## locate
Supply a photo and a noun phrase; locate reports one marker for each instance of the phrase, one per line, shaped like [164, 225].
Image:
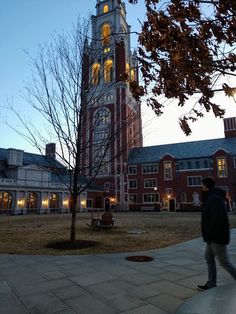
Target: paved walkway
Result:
[107, 283]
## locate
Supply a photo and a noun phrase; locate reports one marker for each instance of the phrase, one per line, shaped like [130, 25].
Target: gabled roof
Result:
[188, 150]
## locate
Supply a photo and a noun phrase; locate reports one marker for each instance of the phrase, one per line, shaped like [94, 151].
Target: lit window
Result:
[95, 73]
[128, 70]
[6, 199]
[132, 73]
[32, 200]
[108, 71]
[221, 167]
[106, 32]
[168, 170]
[54, 201]
[105, 8]
[106, 50]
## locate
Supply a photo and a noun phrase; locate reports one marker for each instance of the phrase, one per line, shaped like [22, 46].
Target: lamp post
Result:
[156, 207]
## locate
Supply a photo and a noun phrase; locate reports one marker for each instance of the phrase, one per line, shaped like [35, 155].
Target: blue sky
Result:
[24, 24]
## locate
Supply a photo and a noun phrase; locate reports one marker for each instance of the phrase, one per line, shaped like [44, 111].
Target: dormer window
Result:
[105, 8]
[106, 32]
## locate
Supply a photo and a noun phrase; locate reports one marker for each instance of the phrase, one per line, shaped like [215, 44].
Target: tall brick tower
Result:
[111, 111]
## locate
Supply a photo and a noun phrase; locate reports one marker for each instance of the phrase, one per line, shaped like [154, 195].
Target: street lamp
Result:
[156, 207]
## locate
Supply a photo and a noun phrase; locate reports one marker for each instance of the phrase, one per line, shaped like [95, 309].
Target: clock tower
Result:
[111, 123]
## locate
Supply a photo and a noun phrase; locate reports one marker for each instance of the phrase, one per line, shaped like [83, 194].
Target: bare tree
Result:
[64, 95]
[186, 48]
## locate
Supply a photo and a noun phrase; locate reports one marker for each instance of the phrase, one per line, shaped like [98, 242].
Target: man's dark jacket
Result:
[215, 222]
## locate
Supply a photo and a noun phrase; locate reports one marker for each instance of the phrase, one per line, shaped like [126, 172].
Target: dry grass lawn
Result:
[31, 234]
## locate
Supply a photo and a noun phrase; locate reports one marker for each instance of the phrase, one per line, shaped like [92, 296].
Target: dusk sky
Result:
[24, 24]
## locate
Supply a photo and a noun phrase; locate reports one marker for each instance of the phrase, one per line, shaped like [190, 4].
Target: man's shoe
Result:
[204, 287]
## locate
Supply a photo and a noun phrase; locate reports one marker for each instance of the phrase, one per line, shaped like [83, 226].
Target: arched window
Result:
[108, 66]
[32, 200]
[105, 8]
[106, 32]
[6, 200]
[133, 76]
[127, 70]
[95, 73]
[54, 201]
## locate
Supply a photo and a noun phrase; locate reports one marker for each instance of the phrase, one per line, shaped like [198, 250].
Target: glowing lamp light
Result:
[20, 202]
[83, 203]
[45, 202]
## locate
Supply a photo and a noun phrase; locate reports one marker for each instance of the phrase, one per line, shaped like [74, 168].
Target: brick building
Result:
[169, 176]
[111, 117]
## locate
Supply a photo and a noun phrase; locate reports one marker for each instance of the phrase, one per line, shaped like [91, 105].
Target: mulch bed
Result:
[72, 245]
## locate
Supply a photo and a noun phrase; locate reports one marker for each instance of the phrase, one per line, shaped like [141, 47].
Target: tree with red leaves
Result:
[186, 48]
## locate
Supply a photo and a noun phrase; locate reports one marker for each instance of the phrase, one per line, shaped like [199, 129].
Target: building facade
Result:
[168, 177]
[111, 117]
[33, 183]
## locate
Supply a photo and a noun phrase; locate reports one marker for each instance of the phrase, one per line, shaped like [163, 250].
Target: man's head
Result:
[208, 183]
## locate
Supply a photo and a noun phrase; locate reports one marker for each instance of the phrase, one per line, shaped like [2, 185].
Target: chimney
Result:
[230, 127]
[51, 150]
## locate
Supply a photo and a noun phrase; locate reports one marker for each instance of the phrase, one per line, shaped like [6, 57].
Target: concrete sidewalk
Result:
[106, 283]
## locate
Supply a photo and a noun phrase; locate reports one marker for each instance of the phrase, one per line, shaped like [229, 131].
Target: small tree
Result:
[63, 95]
[186, 48]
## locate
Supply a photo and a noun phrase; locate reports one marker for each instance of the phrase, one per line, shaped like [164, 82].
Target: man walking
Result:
[215, 231]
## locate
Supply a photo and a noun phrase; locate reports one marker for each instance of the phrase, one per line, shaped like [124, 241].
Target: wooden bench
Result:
[105, 222]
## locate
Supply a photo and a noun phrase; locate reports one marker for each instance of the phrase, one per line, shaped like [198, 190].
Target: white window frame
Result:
[168, 175]
[155, 198]
[151, 164]
[194, 185]
[134, 167]
[136, 185]
[154, 181]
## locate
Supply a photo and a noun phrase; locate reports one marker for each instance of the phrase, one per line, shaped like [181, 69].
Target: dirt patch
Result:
[32, 234]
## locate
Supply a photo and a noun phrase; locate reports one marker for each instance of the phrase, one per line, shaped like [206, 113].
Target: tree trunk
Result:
[73, 217]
